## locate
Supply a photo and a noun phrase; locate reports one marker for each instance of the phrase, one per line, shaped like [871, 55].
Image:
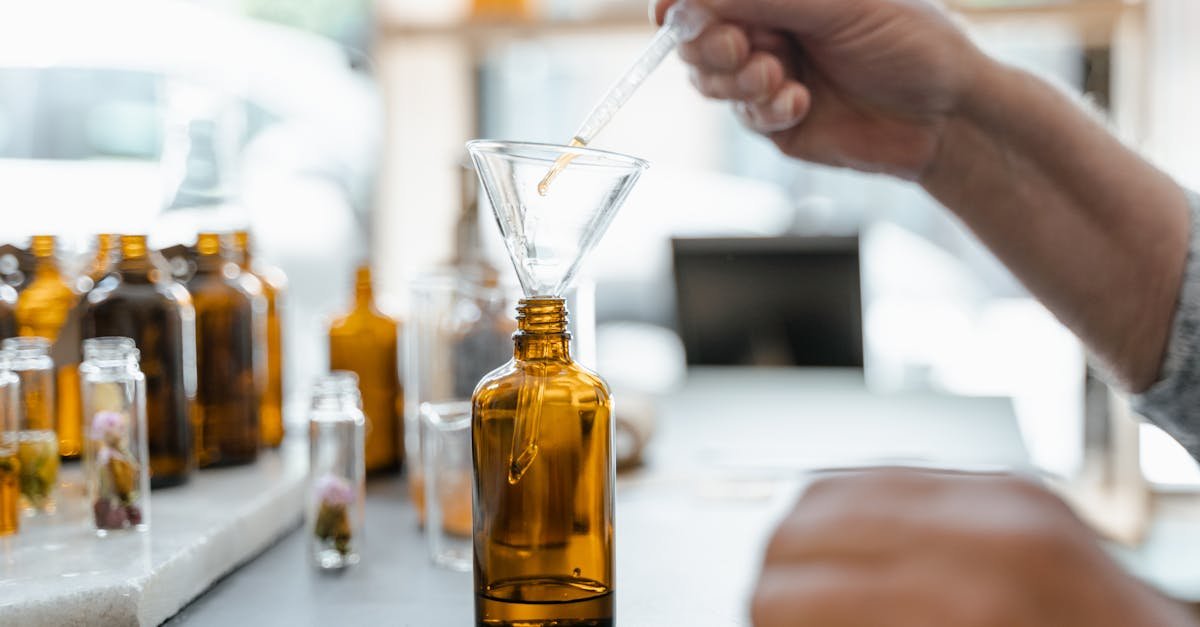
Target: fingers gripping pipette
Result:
[684, 22]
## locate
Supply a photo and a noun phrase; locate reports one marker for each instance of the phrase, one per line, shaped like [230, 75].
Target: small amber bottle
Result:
[542, 432]
[229, 316]
[273, 284]
[138, 302]
[363, 341]
[49, 308]
[8, 311]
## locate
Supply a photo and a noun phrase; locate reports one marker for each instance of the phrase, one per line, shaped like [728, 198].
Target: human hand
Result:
[866, 84]
[904, 547]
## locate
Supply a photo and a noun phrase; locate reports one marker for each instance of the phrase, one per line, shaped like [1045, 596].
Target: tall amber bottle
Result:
[274, 285]
[542, 431]
[363, 341]
[229, 319]
[47, 308]
[8, 311]
[136, 301]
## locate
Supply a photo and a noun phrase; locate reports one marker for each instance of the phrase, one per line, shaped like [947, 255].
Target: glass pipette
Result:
[684, 22]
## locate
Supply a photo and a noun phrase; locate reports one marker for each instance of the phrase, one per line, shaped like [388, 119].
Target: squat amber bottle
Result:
[48, 308]
[542, 436]
[229, 319]
[363, 341]
[273, 284]
[137, 302]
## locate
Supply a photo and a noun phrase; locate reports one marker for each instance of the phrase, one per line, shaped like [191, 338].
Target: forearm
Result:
[1092, 230]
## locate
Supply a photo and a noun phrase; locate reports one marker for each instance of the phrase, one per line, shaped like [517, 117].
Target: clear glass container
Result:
[10, 485]
[446, 441]
[337, 472]
[138, 301]
[460, 329]
[115, 452]
[37, 442]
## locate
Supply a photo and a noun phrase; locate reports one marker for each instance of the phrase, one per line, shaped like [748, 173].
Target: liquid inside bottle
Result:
[37, 441]
[227, 358]
[137, 302]
[544, 532]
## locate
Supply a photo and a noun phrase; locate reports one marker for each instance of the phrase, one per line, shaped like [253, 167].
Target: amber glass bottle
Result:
[229, 315]
[8, 311]
[136, 301]
[273, 284]
[541, 429]
[363, 341]
[48, 308]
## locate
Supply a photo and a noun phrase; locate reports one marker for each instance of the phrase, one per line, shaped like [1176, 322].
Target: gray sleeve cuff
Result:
[1174, 402]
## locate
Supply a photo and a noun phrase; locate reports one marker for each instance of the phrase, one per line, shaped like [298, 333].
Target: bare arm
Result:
[1095, 233]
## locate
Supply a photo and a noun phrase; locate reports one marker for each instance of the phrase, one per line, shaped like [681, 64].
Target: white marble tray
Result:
[57, 572]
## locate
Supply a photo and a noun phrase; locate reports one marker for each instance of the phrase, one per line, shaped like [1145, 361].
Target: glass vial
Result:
[363, 341]
[337, 472]
[542, 433]
[229, 316]
[37, 442]
[49, 308]
[10, 485]
[273, 284]
[115, 452]
[137, 301]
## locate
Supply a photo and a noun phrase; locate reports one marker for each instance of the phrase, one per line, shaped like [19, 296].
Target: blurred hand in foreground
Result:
[905, 547]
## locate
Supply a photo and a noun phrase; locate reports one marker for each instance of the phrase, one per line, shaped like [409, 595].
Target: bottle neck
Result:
[209, 253]
[42, 247]
[241, 248]
[364, 293]
[134, 257]
[542, 330]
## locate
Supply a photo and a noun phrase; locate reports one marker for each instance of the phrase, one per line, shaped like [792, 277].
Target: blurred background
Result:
[334, 129]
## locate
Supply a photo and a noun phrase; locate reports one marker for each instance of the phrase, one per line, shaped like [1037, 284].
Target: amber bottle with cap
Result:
[137, 301]
[541, 430]
[50, 308]
[363, 341]
[230, 323]
[273, 284]
[8, 311]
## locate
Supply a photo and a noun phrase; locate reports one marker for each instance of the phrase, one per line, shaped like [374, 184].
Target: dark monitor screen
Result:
[777, 301]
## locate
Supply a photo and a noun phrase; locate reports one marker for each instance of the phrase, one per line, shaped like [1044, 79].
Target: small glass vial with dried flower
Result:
[115, 449]
[337, 471]
[10, 485]
[37, 441]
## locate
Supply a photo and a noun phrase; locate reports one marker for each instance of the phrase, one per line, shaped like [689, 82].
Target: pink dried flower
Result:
[334, 490]
[108, 426]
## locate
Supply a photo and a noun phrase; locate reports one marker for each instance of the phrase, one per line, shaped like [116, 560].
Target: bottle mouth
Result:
[542, 315]
[19, 347]
[109, 349]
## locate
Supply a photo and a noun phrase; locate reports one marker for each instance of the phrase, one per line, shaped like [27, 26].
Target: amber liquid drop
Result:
[559, 165]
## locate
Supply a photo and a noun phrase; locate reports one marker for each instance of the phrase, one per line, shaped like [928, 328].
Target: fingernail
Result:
[783, 107]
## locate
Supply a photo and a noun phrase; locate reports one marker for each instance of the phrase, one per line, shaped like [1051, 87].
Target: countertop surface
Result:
[731, 449]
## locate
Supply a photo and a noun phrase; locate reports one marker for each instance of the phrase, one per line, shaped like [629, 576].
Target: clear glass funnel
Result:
[549, 235]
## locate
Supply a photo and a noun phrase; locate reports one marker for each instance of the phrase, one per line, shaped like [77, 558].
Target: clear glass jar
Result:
[115, 450]
[10, 485]
[337, 472]
[37, 441]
